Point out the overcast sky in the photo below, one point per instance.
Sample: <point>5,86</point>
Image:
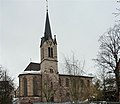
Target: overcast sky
<point>77,24</point>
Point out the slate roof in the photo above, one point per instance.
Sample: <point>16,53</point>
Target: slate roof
<point>33,67</point>
<point>47,33</point>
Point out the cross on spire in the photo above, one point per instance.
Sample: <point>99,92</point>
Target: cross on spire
<point>47,5</point>
<point>47,33</point>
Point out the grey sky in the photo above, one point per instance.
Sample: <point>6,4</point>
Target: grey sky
<point>77,24</point>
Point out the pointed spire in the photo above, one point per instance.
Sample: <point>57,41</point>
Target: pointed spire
<point>47,33</point>
<point>55,41</point>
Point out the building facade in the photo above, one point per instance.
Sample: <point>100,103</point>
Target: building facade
<point>41,82</point>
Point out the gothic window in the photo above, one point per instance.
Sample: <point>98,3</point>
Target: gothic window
<point>35,86</point>
<point>67,82</point>
<point>50,52</point>
<point>25,86</point>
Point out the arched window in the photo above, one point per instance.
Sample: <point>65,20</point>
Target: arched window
<point>50,52</point>
<point>25,86</point>
<point>67,82</point>
<point>35,87</point>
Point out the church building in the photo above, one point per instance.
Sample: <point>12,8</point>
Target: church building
<point>42,82</point>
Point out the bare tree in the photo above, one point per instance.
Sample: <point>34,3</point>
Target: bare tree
<point>6,87</point>
<point>49,87</point>
<point>109,54</point>
<point>78,88</point>
<point>73,66</point>
<point>96,89</point>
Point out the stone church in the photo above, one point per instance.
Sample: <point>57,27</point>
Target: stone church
<point>41,82</point>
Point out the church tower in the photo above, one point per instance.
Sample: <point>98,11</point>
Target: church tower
<point>48,49</point>
<point>49,63</point>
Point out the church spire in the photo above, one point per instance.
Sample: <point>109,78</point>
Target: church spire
<point>47,33</point>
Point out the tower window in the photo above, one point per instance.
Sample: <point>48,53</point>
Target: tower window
<point>50,52</point>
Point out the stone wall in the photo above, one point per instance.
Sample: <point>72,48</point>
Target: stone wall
<point>30,85</point>
<point>62,92</point>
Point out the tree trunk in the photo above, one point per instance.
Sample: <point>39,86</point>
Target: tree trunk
<point>117,89</point>
<point>117,81</point>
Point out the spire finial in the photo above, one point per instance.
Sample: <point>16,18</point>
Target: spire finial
<point>47,5</point>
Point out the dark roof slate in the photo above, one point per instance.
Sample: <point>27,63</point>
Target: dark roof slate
<point>47,33</point>
<point>33,67</point>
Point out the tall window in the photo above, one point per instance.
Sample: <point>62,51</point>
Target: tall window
<point>50,52</point>
<point>67,82</point>
<point>35,86</point>
<point>25,86</point>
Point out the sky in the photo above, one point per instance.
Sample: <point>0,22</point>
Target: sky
<point>78,24</point>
